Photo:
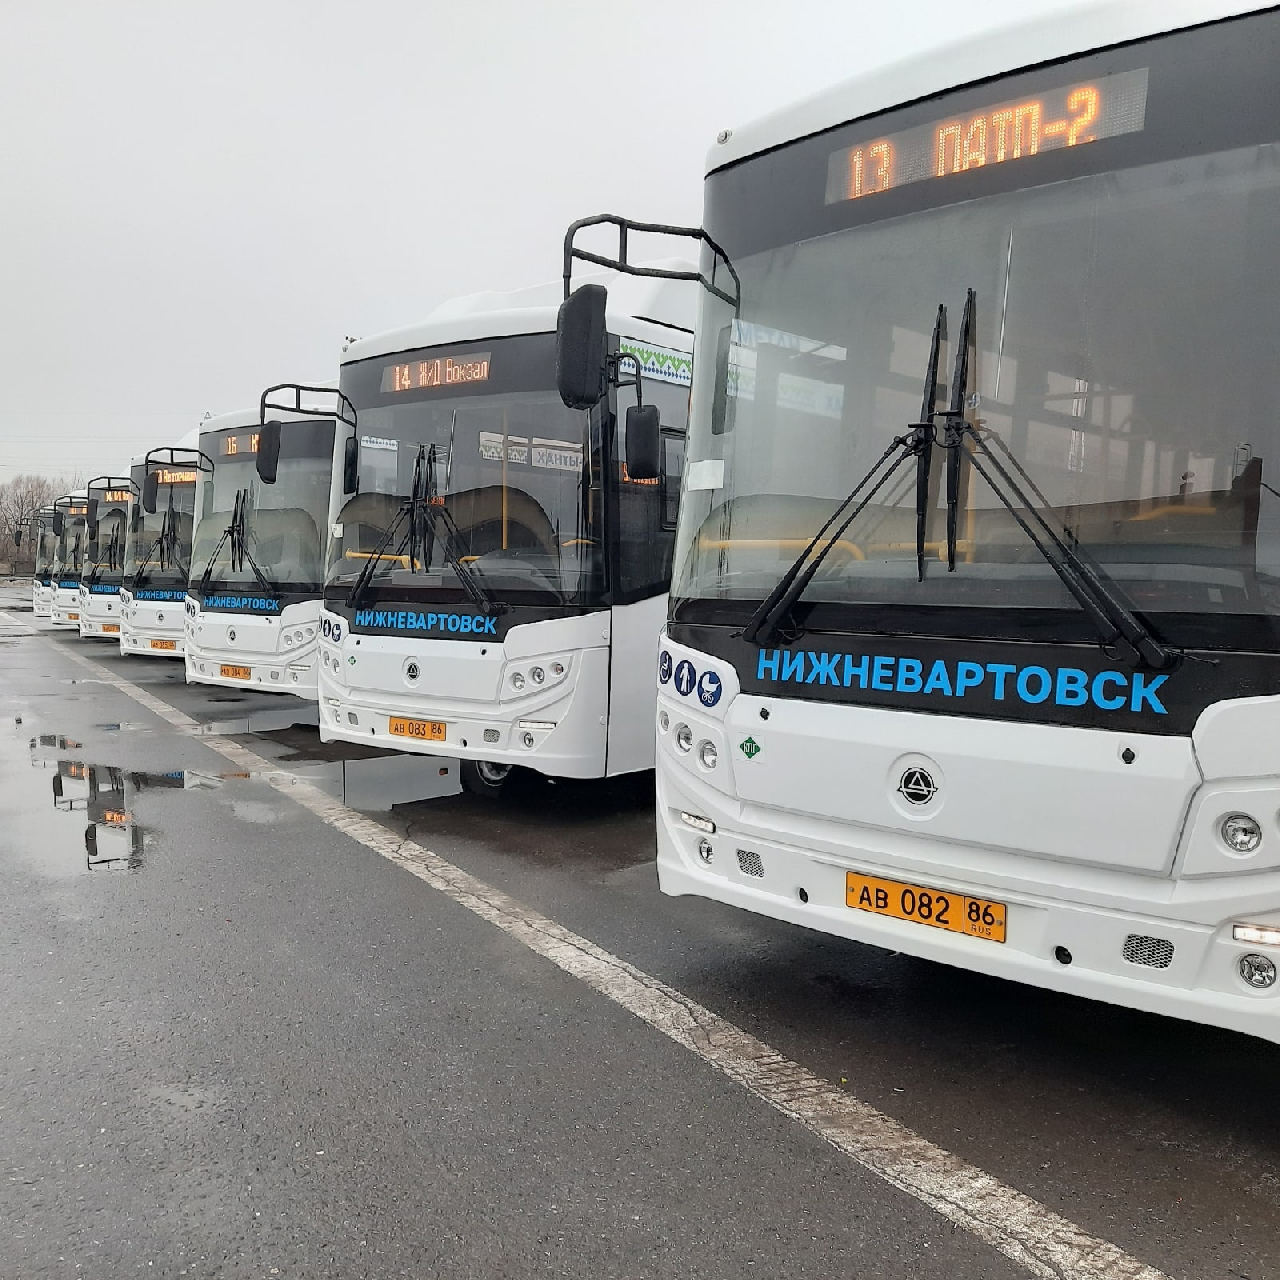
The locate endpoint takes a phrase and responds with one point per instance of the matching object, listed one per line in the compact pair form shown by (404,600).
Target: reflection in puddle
(112,840)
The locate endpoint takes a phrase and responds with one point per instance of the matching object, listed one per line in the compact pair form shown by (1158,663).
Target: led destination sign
(1015,130)
(116,495)
(176,477)
(233,445)
(442,371)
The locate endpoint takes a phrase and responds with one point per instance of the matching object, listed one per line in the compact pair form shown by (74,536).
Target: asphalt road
(235,1041)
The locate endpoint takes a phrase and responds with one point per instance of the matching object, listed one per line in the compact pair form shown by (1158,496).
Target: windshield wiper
(367,570)
(1115,623)
(763,625)
(434,506)
(925,457)
(166,545)
(422,510)
(240,554)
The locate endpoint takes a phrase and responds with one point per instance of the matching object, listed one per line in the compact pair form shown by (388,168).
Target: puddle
(101,796)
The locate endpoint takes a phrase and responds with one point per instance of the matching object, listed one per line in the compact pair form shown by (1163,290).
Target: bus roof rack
(342,407)
(621,263)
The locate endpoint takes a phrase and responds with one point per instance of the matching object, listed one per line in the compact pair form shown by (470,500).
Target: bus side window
(647,508)
(672,470)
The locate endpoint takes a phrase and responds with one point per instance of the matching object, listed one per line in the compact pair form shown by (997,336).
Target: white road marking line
(1021,1228)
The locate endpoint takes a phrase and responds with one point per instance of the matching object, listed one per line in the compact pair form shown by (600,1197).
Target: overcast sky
(201,197)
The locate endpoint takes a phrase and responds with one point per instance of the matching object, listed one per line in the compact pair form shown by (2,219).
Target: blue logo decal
(664,667)
(410,620)
(1065,686)
(709,689)
(686,678)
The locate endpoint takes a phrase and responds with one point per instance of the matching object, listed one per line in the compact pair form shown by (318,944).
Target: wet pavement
(240,1043)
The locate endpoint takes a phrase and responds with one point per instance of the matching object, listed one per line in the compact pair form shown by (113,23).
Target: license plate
(424,730)
(165,644)
(73,617)
(108,628)
(955,912)
(236,673)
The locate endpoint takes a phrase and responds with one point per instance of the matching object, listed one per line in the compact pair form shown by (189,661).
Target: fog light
(705,850)
(1241,833)
(528,739)
(537,675)
(664,721)
(708,754)
(1256,934)
(517,680)
(698,823)
(684,738)
(1257,971)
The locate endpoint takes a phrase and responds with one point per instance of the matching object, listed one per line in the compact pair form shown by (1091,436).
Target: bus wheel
(484,778)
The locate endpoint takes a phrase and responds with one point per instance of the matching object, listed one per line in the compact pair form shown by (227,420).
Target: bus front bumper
(561,733)
(1188,962)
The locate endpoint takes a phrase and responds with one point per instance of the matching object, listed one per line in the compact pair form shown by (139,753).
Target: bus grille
(749,863)
(1155,953)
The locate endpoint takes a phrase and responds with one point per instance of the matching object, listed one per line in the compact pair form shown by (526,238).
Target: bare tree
(20,499)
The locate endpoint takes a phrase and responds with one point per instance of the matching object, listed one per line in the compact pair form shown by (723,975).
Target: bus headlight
(517,680)
(537,675)
(1241,833)
(707,754)
(684,737)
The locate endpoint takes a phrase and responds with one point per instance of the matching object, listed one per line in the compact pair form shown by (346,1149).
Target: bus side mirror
(58,524)
(581,354)
(644,436)
(17,537)
(268,452)
(351,467)
(91,519)
(151,492)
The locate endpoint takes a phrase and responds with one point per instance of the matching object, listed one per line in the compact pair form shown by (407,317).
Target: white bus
(497,579)
(974,641)
(44,546)
(157,560)
(106,528)
(257,563)
(68,556)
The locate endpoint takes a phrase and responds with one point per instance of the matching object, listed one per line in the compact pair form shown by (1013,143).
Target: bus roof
(639,306)
(941,68)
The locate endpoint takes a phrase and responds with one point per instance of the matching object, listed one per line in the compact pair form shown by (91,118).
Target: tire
(483,778)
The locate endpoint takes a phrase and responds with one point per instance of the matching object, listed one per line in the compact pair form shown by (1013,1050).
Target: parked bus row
(971,646)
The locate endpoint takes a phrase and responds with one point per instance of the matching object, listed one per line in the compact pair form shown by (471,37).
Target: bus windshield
(282,522)
(158,550)
(68,556)
(46,546)
(514,479)
(105,546)
(1124,348)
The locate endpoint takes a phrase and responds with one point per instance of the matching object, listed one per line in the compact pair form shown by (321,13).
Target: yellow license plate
(424,730)
(236,673)
(73,617)
(109,627)
(164,644)
(977,917)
